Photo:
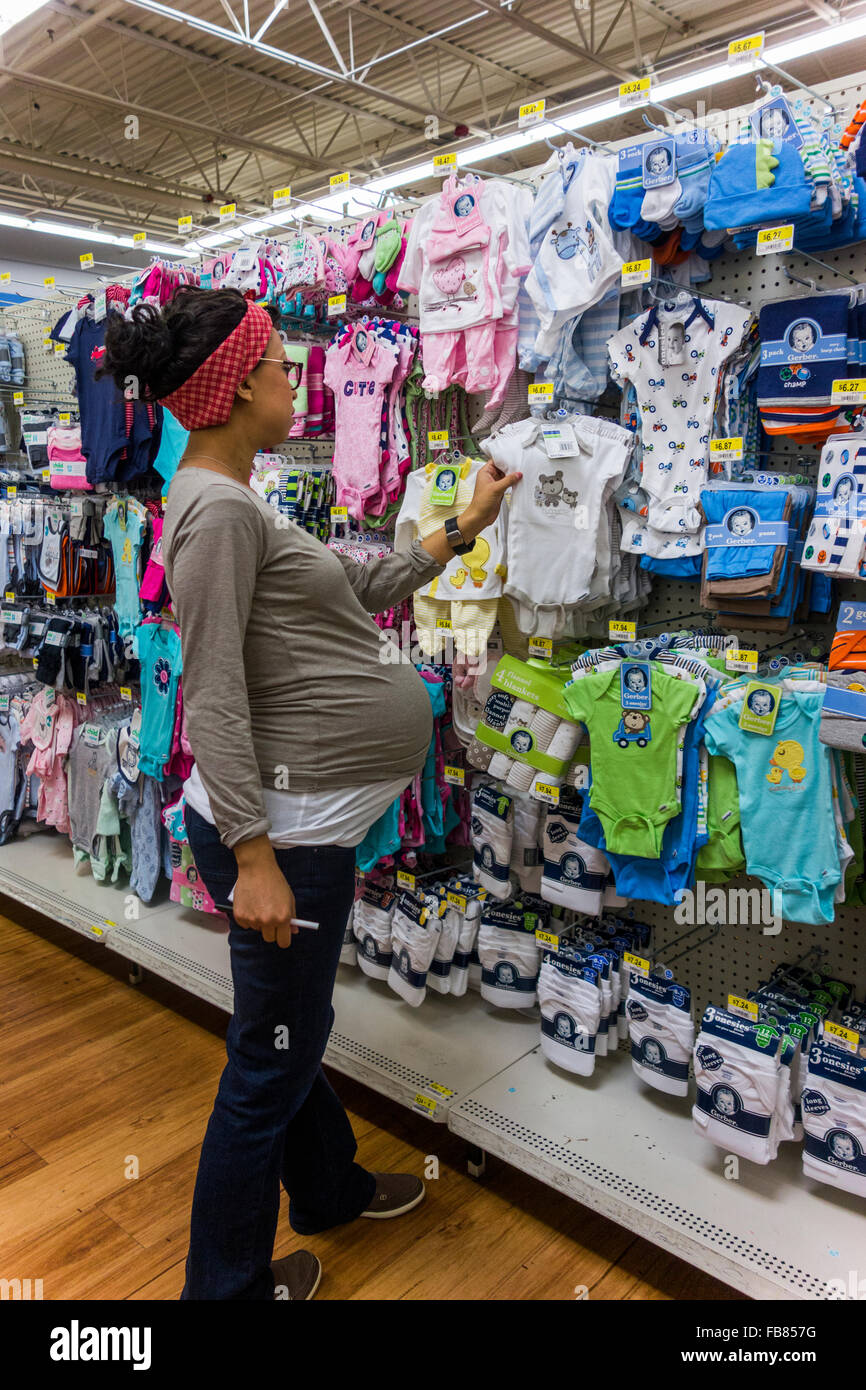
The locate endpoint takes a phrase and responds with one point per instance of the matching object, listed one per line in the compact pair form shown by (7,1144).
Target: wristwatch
(455,537)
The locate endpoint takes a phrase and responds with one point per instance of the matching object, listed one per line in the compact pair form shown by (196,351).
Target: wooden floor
(99,1080)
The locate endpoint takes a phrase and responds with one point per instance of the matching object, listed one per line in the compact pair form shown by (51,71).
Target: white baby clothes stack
(374,911)
(415,929)
(509,954)
(737,1070)
(834,1118)
(570,999)
(492,829)
(662,1033)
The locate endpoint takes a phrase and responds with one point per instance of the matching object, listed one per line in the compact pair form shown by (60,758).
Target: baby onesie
(158,650)
(786,803)
(635,751)
(556,513)
(124,525)
(358,372)
(673,354)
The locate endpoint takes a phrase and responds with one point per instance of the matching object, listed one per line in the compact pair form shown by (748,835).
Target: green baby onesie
(633,756)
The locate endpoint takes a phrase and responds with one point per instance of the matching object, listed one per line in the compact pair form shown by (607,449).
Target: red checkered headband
(206,398)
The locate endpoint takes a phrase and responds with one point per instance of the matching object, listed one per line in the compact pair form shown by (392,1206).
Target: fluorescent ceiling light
(85,235)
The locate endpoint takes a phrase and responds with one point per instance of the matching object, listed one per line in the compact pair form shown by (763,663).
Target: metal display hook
(665,965)
(824,266)
(794,81)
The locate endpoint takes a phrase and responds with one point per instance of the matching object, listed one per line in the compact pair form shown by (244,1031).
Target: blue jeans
(276,1118)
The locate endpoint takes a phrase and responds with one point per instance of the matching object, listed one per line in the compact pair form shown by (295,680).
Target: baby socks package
(843,713)
(373,915)
(466,899)
(662,1033)
(439,975)
(834,1118)
(834,543)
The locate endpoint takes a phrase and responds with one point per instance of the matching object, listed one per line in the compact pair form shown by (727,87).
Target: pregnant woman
(302,738)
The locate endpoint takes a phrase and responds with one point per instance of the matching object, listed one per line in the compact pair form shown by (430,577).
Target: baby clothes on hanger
(673,354)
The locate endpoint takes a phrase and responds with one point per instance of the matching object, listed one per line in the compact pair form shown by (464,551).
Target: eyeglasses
(293,370)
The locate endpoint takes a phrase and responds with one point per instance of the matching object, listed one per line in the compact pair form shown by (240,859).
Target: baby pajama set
(358,371)
(466,252)
(673,355)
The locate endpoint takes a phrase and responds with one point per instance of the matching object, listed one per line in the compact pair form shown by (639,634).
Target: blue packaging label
(743,526)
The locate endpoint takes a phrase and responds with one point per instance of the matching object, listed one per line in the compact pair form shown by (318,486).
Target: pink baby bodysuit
(49,725)
(153,579)
(358,372)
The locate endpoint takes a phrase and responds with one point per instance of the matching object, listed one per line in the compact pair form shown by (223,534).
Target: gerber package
(526,719)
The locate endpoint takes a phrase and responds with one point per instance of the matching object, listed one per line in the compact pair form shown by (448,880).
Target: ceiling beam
(529,26)
(44,165)
(81,97)
(190,54)
(403,26)
(658,12)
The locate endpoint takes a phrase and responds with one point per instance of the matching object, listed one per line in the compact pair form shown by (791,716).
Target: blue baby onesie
(786,803)
(158,650)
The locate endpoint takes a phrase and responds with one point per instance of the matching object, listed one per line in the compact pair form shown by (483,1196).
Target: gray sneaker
(297,1276)
(395,1194)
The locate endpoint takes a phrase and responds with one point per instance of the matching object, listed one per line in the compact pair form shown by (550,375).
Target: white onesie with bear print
(556,514)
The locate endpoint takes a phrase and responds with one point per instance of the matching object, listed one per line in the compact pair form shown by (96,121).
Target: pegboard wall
(741,955)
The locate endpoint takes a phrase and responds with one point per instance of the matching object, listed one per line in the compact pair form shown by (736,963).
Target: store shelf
(191,949)
(38,870)
(630,1153)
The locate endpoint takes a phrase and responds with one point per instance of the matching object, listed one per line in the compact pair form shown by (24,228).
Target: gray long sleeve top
(284,681)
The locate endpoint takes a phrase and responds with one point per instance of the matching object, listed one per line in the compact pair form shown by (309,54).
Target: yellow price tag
(12,491)
(5,277)
(637,963)
(846,1036)
(775,239)
(546,791)
(282,196)
(740,50)
(49,282)
(227,212)
(139,238)
(741,660)
(339,514)
(746,1008)
(540,391)
(636,272)
(730,448)
(457,900)
(440,1090)
(65,417)
(850,391)
(541,646)
(619,631)
(636,92)
(59,349)
(184,224)
(547,938)
(17,397)
(336,304)
(456,776)
(445,161)
(406,880)
(530,114)
(46,475)
(340,180)
(426,1104)
(445,623)
(125,692)
(81,697)
(437,439)
(85,260)
(9,596)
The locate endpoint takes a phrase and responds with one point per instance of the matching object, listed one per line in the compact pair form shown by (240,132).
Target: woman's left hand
(491,485)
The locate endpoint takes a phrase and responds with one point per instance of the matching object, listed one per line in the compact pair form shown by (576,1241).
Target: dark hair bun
(156,351)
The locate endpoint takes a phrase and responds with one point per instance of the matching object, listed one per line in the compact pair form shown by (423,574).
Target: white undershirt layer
(340,817)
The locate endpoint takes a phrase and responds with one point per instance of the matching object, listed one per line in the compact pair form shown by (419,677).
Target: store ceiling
(120,115)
